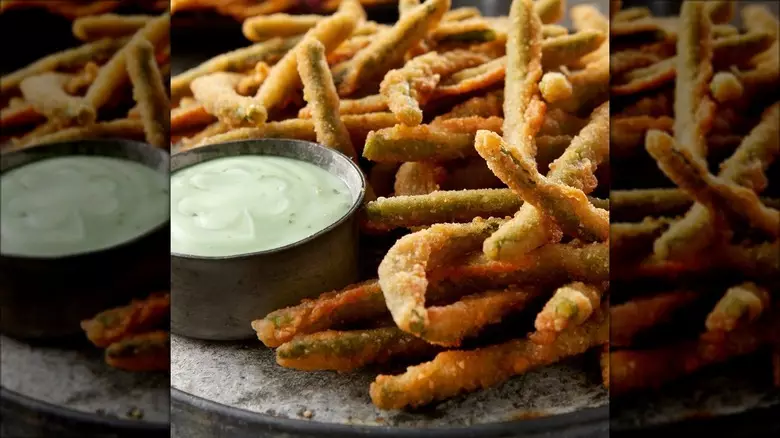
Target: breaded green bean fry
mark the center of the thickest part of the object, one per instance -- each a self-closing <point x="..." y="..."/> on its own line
<point x="149" y="92"/>
<point x="216" y="91"/>
<point x="629" y="241"/>
<point x="142" y="352"/>
<point x="233" y="61"/>
<point x="388" y="48"/>
<point x="692" y="105"/>
<point x="95" y="27"/>
<point x="549" y="11"/>
<point x="320" y="92"/>
<point x="633" y="370"/>
<point x="449" y="325"/>
<point x="118" y="128"/>
<point x="46" y="93"/>
<point x="453" y="372"/>
<point x="567" y="49"/>
<point x="530" y="228"/>
<point x="349" y="350"/>
<point x="741" y="304"/>
<point x="282" y="79"/>
<point x="555" y="87"/>
<point x="418" y="178"/>
<point x="444" y="206"/>
<point x="472" y="30"/>
<point x="426" y="142"/>
<point x="71" y="58"/>
<point x="369" y="104"/>
<point x="722" y="197"/>
<point x="266" y="27"/>
<point x="633" y="317"/>
<point x="725" y="87"/>
<point x="570" y="305"/>
<point x="403" y="271"/>
<point x="489" y="105"/>
<point x="113" y="73"/>
<point x="409" y="87"/>
<point x="523" y="109"/>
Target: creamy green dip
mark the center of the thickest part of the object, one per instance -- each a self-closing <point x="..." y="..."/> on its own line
<point x="239" y="205"/>
<point x="77" y="204"/>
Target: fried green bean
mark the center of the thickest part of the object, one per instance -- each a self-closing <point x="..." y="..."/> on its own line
<point x="722" y="199"/>
<point x="740" y="49"/>
<point x="590" y="87"/>
<point x="567" y="49"/>
<point x="647" y="78"/>
<point x="424" y="142"/>
<point x="627" y="134"/>
<point x="453" y="372"/>
<point x="570" y="306"/>
<point x="489" y="105"/>
<point x="746" y="168"/>
<point x="351" y="304"/>
<point x="46" y="93"/>
<point x="117" y="128"/>
<point x="755" y="261"/>
<point x="71" y="58"/>
<point x="631" y="14"/>
<point x="403" y="271"/>
<point x="303" y="129"/>
<point x="459" y="14"/>
<point x="554" y="87"/>
<point x="631" y="318"/>
<point x="405" y="6"/>
<point x="216" y="91"/>
<point x="635" y="204"/>
<point x="149" y="92"/>
<point x="472" y="30"/>
<point x="365" y="301"/>
<point x="720" y="11"/>
<point x="638" y="369"/>
<point x="631" y="241"/>
<point x="389" y="47"/>
<point x="266" y="27"/>
<point x="234" y="61"/>
<point x="692" y="104"/>
<point x="567" y="205"/>
<point x="114" y="324"/>
<point x="141" y="352"/>
<point x="523" y="109"/>
<point x="349" y="350"/>
<point x="369" y="104"/>
<point x="114" y="72"/>
<point x="574" y="169"/>
<point x="741" y="304"/>
<point x="449" y="325"/>
<point x="439" y="207"/>
<point x="444" y="206"/>
<point x="411" y="86"/>
<point x="759" y="18"/>
<point x="96" y="27"/>
<point x="549" y="11"/>
<point x="282" y="79"/>
<point x="418" y="178"/>
<point x="725" y="87"/>
<point x="320" y="93"/>
<point x="628" y="60"/>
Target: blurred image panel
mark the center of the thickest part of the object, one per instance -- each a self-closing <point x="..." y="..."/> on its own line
<point x="695" y="199"/>
<point x="463" y="289"/>
<point x="84" y="211"/>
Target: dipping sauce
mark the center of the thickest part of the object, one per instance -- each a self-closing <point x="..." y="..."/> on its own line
<point x="77" y="204"/>
<point x="239" y="205"/>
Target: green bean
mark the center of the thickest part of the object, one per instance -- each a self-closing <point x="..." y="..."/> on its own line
<point x="550" y="11"/>
<point x="389" y="47"/>
<point x="233" y="61"/>
<point x="66" y="59"/>
<point x="349" y="350"/>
